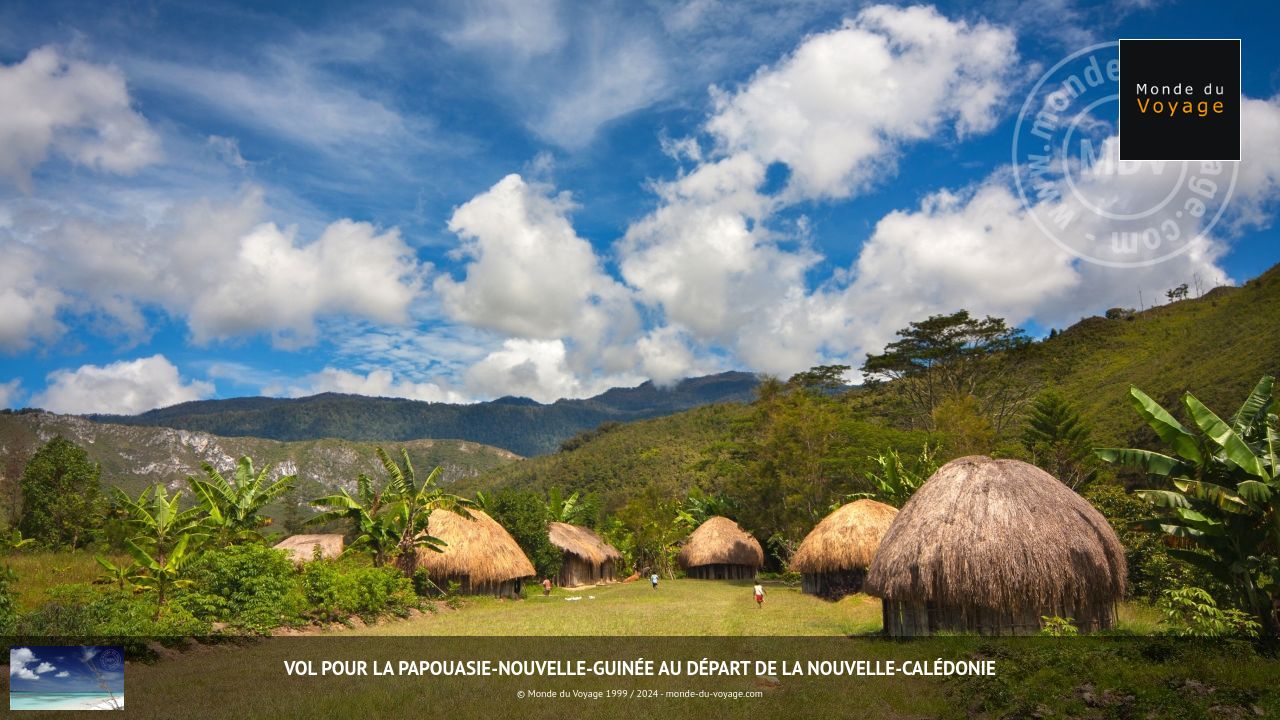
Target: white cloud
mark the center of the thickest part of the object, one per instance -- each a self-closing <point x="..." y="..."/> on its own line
<point x="836" y="110"/>
<point x="122" y="388"/>
<point x="80" y="110"/>
<point x="20" y="660"/>
<point x="376" y="383"/>
<point x="10" y="392"/>
<point x="525" y="28"/>
<point x="535" y="369"/>
<point x="221" y="266"/>
<point x="63" y="673"/>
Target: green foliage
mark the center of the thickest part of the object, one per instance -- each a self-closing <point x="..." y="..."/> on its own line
<point x="895" y="480"/>
<point x="1223" y="513"/>
<point x="1192" y="612"/>
<point x="954" y="356"/>
<point x="560" y="508"/>
<point x="61" y="498"/>
<point x="1152" y="571"/>
<point x="525" y="515"/>
<point x="335" y="589"/>
<point x="233" y="508"/>
<point x="121" y="576"/>
<point x="1054" y="626"/>
<point x="82" y="611"/>
<point x="964" y="428"/>
<point x="164" y="542"/>
<point x="8" y="609"/>
<point x="1059" y="441"/>
<point x="249" y="587"/>
<point x="13" y="542"/>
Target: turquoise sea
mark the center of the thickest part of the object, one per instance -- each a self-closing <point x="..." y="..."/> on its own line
<point x="63" y="701"/>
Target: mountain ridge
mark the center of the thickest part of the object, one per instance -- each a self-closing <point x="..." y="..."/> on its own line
<point x="520" y="425"/>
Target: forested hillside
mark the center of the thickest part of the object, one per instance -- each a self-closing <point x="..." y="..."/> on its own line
<point x="519" y="425"/>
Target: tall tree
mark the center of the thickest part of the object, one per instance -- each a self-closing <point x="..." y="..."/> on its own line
<point x="61" y="496"/>
<point x="950" y="356"/>
<point x="1059" y="441"/>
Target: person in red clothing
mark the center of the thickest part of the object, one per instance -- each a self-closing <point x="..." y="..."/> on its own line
<point x="759" y="590"/>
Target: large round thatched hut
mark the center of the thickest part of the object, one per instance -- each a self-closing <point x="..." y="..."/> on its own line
<point x="481" y="555"/>
<point x="720" y="550"/>
<point x="302" y="548"/>
<point x="835" y="555"/>
<point x="991" y="546"/>
<point x="586" y="558"/>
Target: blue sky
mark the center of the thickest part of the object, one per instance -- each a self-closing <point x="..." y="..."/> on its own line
<point x="64" y="669"/>
<point x="457" y="202"/>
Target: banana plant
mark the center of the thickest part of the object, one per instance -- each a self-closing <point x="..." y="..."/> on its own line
<point x="414" y="504"/>
<point x="1223" y="513"/>
<point x="366" y="513"/>
<point x="119" y="575"/>
<point x="234" y="507"/>
<point x="162" y="572"/>
<point x="162" y="547"/>
<point x="14" y="541"/>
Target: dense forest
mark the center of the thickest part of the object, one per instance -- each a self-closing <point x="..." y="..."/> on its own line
<point x="519" y="425"/>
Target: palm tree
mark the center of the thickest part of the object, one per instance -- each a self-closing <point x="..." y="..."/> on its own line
<point x="161" y="547"/>
<point x="234" y="507"/>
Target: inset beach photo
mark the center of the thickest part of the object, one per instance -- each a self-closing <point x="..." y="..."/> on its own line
<point x="66" y="677"/>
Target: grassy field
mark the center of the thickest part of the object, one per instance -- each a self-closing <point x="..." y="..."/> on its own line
<point x="39" y="571"/>
<point x="677" y="607"/>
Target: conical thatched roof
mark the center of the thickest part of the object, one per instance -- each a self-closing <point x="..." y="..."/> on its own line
<point x="582" y="542"/>
<point x="479" y="548"/>
<point x="719" y="541"/>
<point x="998" y="534"/>
<point x="845" y="539"/>
<point x="301" y="548"/>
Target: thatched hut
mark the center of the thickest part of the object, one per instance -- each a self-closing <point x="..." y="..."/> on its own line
<point x="991" y="546"/>
<point x="481" y="555"/>
<point x="587" y="558"/>
<point x="302" y="548"/>
<point x="720" y="550"/>
<point x="835" y="555"/>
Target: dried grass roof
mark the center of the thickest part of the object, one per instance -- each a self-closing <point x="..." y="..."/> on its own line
<point x="846" y="539"/>
<point x="479" y="548"/>
<point x="582" y="542"/>
<point x="301" y="548"/>
<point x="998" y="534"/>
<point x="719" y="541"/>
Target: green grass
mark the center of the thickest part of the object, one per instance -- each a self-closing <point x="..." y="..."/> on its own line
<point x="40" y="571"/>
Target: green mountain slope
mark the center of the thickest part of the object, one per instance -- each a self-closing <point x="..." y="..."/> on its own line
<point x="133" y="457"/>
<point x="519" y="425"/>
<point x="1216" y="346"/>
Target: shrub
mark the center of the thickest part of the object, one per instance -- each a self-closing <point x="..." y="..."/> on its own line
<point x="336" y="589"/>
<point x="7" y="611"/>
<point x="1192" y="612"/>
<point x="82" y="611"/>
<point x="251" y="587"/>
<point x="1058" y="627"/>
<point x="1152" y="572"/>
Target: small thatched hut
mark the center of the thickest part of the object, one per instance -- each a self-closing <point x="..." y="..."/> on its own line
<point x="720" y="550"/>
<point x="587" y="558"/>
<point x="990" y="546"/>
<point x="302" y="548"/>
<point x="481" y="555"/>
<point x="835" y="555"/>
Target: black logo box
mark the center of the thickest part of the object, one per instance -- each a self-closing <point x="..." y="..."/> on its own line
<point x="1186" y="68"/>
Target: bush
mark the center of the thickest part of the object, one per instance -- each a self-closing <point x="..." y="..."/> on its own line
<point x="1192" y="612"/>
<point x="1152" y="571"/>
<point x="250" y="587"/>
<point x="337" y="589"/>
<point x="7" y="611"/>
<point x="1055" y="626"/>
<point x="83" y="611"/>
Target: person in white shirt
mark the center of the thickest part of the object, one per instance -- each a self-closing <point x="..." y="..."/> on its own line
<point x="759" y="590"/>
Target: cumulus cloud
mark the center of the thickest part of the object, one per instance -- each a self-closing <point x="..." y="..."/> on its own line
<point x="221" y="266"/>
<point x="77" y="109"/>
<point x="376" y="383"/>
<point x="62" y="673"/>
<point x="10" y="392"/>
<point x="20" y="662"/>
<point x="536" y="369"/>
<point x="125" y="387"/>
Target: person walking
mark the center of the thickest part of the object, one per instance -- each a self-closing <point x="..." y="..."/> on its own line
<point x="759" y="591"/>
<point x="653" y="579"/>
<point x="546" y="587"/>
